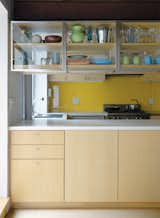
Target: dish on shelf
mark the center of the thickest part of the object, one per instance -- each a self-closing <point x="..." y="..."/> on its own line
<point x="36" y="39"/>
<point x="83" y="61"/>
<point x="77" y="57"/>
<point x="100" y="60"/>
<point x="53" y="38"/>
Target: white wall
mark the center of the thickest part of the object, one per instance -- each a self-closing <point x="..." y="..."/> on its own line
<point x="4" y="101"/>
<point x="15" y="79"/>
<point x="11" y="86"/>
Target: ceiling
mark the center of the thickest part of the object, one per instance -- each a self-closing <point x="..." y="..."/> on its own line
<point x="86" y="9"/>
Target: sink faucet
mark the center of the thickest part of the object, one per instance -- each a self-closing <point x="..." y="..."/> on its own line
<point x="135" y="100"/>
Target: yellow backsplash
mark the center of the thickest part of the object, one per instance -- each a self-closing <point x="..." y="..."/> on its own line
<point x="93" y="95"/>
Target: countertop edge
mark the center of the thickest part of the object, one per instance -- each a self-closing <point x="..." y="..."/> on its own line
<point x="45" y="128"/>
<point x="86" y="125"/>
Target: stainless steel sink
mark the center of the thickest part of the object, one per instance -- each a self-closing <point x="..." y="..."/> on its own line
<point x="71" y="116"/>
<point x="56" y="116"/>
<point x="87" y="116"/>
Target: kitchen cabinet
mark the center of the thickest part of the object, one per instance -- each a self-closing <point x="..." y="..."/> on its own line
<point x="139" y="46"/>
<point x="129" y="48"/>
<point x="90" y="166"/>
<point x="37" y="166"/>
<point x="32" y="52"/>
<point x="37" y="180"/>
<point x="32" y="55"/>
<point x="95" y="51"/>
<point x="139" y="175"/>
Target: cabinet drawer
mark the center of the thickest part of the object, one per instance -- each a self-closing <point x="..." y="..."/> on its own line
<point x="37" y="137"/>
<point x="37" y="151"/>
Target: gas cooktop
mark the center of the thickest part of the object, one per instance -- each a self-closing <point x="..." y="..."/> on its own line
<point x="125" y="111"/>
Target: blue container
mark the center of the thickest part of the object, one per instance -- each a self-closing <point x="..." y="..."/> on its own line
<point x="158" y="60"/>
<point x="148" y="59"/>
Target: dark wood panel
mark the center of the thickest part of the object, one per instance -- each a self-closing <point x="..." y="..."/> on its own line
<point x="50" y="10"/>
<point x="106" y="1"/>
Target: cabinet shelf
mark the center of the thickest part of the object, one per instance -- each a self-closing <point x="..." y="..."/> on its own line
<point x="39" y="46"/>
<point x="91" y="67"/>
<point x="90" y="45"/>
<point x="37" y="67"/>
<point x="142" y="66"/>
<point x="154" y="44"/>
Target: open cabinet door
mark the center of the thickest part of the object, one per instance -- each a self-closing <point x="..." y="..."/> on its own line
<point x="3" y="101"/>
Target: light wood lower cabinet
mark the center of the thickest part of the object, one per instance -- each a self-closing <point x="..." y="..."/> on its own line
<point x="139" y="166"/>
<point x="37" y="166"/>
<point x="37" y="180"/>
<point x="95" y="167"/>
<point x="90" y="166"/>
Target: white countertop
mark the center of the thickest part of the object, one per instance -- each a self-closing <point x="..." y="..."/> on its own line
<point x="44" y="124"/>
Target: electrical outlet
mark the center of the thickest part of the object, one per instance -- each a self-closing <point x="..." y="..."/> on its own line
<point x="75" y="100"/>
<point x="151" y="101"/>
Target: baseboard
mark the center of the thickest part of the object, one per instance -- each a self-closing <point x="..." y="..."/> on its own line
<point x="66" y="205"/>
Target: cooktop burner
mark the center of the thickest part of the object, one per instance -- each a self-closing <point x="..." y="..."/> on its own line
<point x="125" y="111"/>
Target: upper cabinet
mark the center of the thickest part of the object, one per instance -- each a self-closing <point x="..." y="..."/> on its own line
<point x="82" y="46"/>
<point x="139" y="46"/>
<point x="91" y="46"/>
<point x="102" y="47"/>
<point x="38" y="47"/>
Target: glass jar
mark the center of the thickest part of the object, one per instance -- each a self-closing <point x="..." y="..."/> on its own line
<point x="136" y="59"/>
<point x="125" y="59"/>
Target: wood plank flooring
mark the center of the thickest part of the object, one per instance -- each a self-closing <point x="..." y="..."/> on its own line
<point x="109" y="213"/>
<point x="4" y="206"/>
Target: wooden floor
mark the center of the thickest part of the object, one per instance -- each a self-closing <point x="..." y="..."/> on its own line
<point x="4" y="206"/>
<point x="109" y="213"/>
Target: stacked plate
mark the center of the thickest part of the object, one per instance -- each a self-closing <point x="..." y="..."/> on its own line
<point x="78" y="59"/>
<point x="100" y="59"/>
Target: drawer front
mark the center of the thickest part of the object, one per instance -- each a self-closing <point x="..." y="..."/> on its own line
<point x="37" y="137"/>
<point x="37" y="152"/>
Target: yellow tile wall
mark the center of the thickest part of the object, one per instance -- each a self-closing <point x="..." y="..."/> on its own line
<point x="93" y="95"/>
